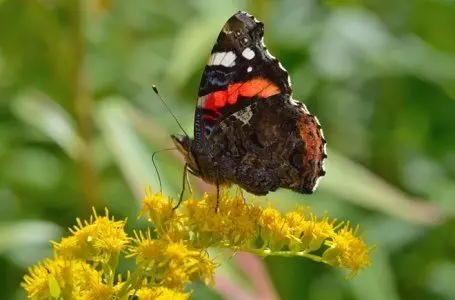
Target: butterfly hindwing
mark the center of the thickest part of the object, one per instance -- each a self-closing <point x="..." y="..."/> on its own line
<point x="269" y="145"/>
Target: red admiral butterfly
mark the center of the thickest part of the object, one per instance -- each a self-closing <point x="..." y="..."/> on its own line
<point x="248" y="129"/>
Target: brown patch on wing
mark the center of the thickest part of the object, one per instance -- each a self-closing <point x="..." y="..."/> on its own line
<point x="313" y="159"/>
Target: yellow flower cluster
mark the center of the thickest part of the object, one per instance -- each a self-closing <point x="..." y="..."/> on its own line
<point x="239" y="226"/>
<point x="99" y="239"/>
<point x="172" y="263"/>
<point x="84" y="263"/>
<point x="175" y="253"/>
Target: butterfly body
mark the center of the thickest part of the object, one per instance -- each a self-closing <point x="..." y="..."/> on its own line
<point x="248" y="129"/>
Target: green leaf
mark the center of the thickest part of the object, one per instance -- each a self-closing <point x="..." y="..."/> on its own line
<point x="46" y="115"/>
<point x="113" y="117"/>
<point x="354" y="183"/>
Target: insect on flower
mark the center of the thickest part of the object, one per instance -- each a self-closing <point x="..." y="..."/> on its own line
<point x="248" y="130"/>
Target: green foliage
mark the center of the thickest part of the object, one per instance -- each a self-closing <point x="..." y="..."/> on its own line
<point x="79" y="123"/>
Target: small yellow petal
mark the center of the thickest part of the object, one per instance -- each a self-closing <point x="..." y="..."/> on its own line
<point x="161" y="293"/>
<point x="348" y="250"/>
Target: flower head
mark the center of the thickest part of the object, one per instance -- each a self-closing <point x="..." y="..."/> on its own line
<point x="157" y="207"/>
<point x="315" y="232"/>
<point x="348" y="250"/>
<point x="275" y="231"/>
<point x="160" y="213"/>
<point x="161" y="293"/>
<point x="99" y="239"/>
<point x="173" y="263"/>
<point x="59" y="277"/>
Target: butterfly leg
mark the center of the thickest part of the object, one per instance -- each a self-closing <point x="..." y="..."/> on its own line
<point x="185" y="178"/>
<point x="217" y="197"/>
<point x="242" y="195"/>
<point x="240" y="191"/>
<point x="188" y="182"/>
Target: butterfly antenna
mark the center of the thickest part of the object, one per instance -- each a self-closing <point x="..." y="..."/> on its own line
<point x="169" y="110"/>
<point x="156" y="168"/>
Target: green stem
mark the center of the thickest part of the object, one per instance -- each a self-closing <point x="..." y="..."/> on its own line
<point x="131" y="282"/>
<point x="264" y="252"/>
<point x="111" y="268"/>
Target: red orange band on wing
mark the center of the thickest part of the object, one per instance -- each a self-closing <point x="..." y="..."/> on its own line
<point x="260" y="87"/>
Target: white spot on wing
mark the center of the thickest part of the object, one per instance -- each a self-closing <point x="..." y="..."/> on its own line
<point x="217" y="58"/>
<point x="201" y="101"/>
<point x="248" y="53"/>
<point x="262" y="42"/>
<point x="323" y="164"/>
<point x="269" y="54"/>
<point x="281" y="67"/>
<point x="229" y="59"/>
<point x="323" y="167"/>
<point x="226" y="59"/>
<point x="210" y="62"/>
<point x="299" y="105"/>
<point x="244" y="115"/>
<point x="249" y="69"/>
<point x="317" y="183"/>
<point x="284" y="69"/>
<point x="250" y="15"/>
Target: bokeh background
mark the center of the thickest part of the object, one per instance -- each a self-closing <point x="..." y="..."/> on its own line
<point x="79" y="123"/>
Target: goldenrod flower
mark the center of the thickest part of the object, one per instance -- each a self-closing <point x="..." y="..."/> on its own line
<point x="235" y="223"/>
<point x="156" y="207"/>
<point x="275" y="231"/>
<point x="348" y="250"/>
<point x="99" y="239"/>
<point x="315" y="232"/>
<point x="173" y="263"/>
<point x="146" y="250"/>
<point x="60" y="278"/>
<point x="174" y="252"/>
<point x="97" y="292"/>
<point x="161" y="293"/>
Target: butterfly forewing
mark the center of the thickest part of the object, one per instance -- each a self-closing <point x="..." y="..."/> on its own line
<point x="248" y="129"/>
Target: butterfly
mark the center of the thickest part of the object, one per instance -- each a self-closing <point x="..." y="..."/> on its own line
<point x="248" y="130"/>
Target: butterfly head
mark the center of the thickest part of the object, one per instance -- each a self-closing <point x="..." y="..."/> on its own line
<point x="183" y="144"/>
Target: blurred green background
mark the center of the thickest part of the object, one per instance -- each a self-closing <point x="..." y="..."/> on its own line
<point x="79" y="123"/>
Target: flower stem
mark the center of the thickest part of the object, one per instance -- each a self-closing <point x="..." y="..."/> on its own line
<point x="131" y="282"/>
<point x="268" y="252"/>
